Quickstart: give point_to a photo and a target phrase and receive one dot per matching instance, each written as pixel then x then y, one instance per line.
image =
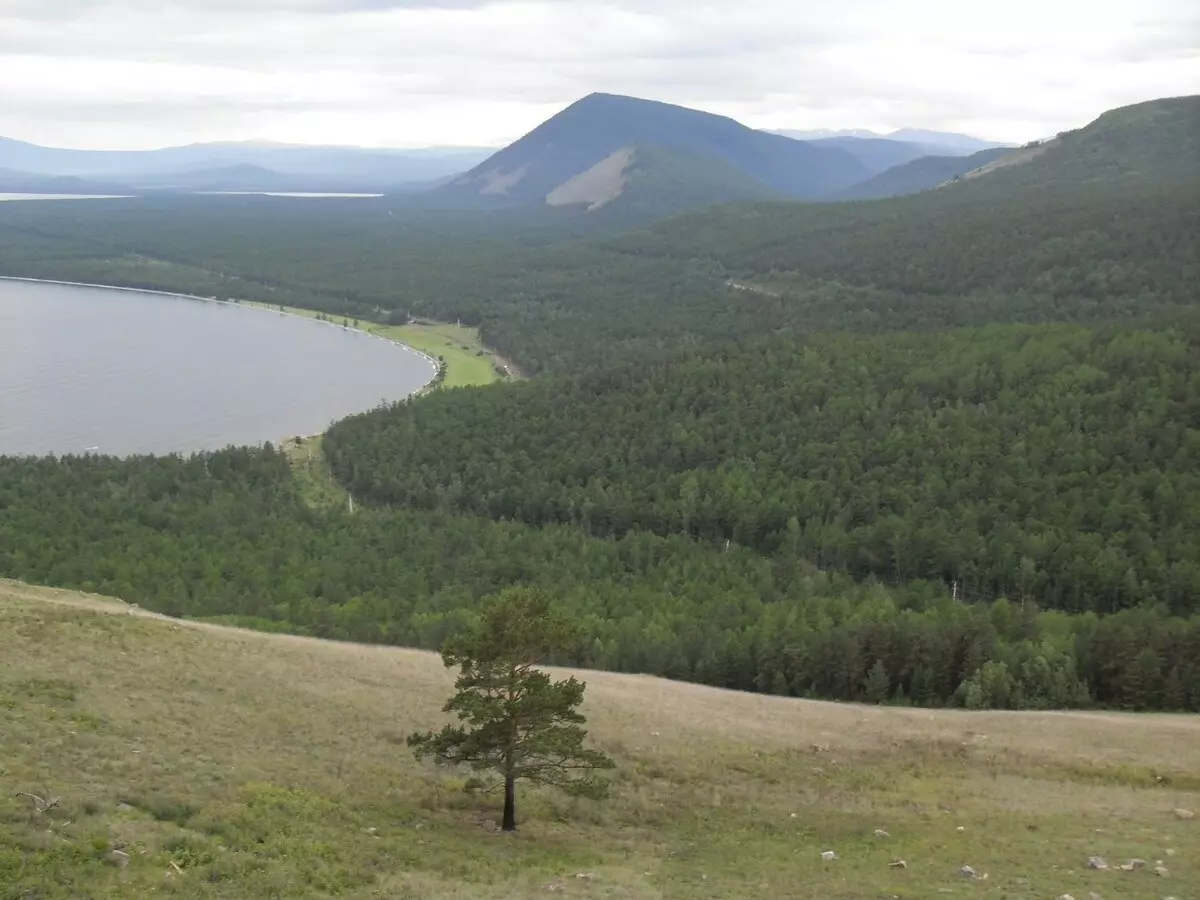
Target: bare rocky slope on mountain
pixel 596 128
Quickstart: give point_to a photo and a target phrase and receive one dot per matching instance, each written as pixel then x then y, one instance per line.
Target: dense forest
pixel 557 301
pixel 1053 463
pixel 226 536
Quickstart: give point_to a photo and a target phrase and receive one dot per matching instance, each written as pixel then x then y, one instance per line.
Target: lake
pixel 4 197
pixel 124 372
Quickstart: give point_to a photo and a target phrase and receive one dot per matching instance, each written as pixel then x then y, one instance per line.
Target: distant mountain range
pixel 626 157
pixel 933 143
pixel 245 166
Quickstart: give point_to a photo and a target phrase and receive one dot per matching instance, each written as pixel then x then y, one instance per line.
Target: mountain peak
pixel 731 160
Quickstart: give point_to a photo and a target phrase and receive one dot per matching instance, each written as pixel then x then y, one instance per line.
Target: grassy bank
pixel 468 361
pixel 468 364
pixel 234 764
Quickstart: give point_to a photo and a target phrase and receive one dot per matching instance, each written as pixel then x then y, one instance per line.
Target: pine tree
pixel 1142 683
pixel 1174 697
pixel 922 686
pixel 877 686
pixel 519 723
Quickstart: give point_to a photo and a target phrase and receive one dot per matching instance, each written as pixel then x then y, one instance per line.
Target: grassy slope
pixel 273 766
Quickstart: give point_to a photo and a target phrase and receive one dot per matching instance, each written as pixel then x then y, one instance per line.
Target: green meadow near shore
pixel 468 362
pixel 143 757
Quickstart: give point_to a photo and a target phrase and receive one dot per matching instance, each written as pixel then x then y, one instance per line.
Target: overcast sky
pixel 146 73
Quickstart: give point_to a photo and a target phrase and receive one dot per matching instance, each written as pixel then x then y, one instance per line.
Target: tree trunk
pixel 510 805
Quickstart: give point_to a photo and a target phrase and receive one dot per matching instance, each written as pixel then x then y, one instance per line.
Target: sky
pixel 127 74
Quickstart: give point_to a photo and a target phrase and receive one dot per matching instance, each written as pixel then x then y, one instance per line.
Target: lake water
pixel 4 197
pixel 303 195
pixel 124 372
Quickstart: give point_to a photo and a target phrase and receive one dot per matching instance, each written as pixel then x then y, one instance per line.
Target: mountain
pixel 653 181
pixel 948 143
pixel 13 181
pixel 1158 140
pixel 920 174
pixel 321 168
pixel 933 143
pixel 877 154
pixel 597 140
pixel 819 134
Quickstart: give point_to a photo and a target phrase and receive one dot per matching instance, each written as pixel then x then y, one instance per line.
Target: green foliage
pixel 227 535
pixel 519 723
pixel 990 688
pixel 878 684
pixel 1050 463
pixel 1142 685
pixel 550 297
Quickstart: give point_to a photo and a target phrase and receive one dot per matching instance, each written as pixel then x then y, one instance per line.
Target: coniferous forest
pixel 1054 464
pixel 226 536
pixel 939 450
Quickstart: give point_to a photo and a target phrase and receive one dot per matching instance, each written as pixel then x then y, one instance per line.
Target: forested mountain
pixel 1158 140
pixel 224 535
pixel 1042 254
pixel 921 174
pixel 599 136
pixel 1055 464
pixel 1154 141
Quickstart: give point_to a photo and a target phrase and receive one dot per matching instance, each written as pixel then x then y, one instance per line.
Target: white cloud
pixel 126 73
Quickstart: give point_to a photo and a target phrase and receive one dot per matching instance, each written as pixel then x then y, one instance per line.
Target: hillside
pixel 1154 141
pixel 243 536
pixel 1016 461
pixel 228 763
pixel 594 129
pixel 877 155
pixel 965 256
pixel 656 182
pixel 921 174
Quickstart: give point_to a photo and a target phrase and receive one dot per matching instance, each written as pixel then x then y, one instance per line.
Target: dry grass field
pixel 227 764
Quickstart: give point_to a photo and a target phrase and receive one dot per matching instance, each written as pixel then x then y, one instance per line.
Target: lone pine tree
pixel 515 720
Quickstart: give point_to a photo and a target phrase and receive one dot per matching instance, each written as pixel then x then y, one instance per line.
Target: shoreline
pixel 249 304
pixel 254 305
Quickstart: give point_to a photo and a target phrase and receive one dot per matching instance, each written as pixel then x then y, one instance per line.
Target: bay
pixel 85 369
